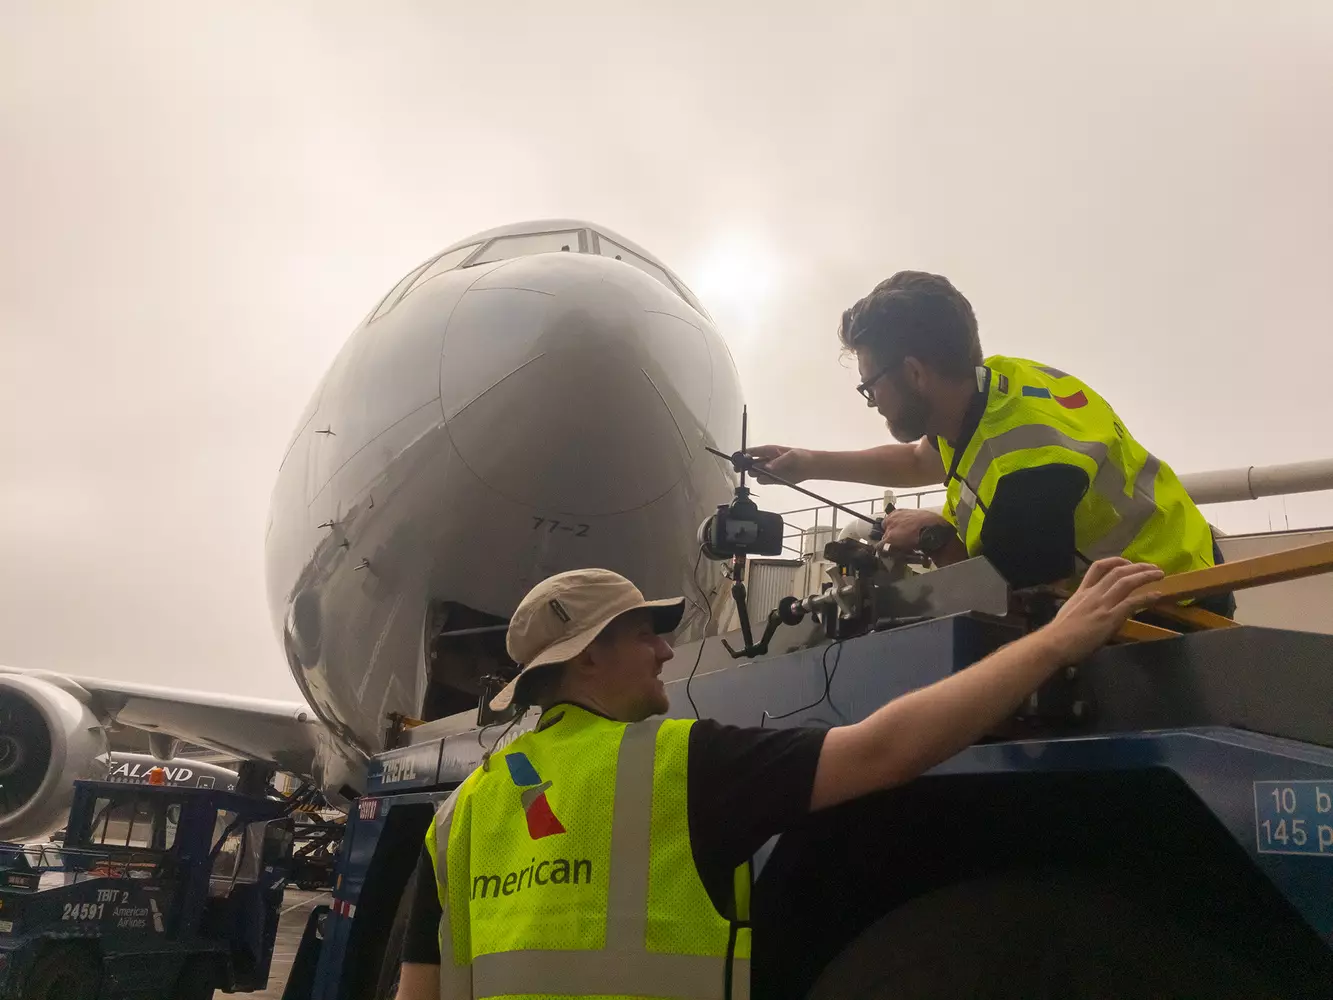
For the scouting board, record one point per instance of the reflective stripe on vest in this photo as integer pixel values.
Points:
(624, 966)
(455, 979)
(1134, 505)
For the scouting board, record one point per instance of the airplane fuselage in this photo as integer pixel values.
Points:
(487, 426)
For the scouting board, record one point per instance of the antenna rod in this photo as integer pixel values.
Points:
(745, 428)
(741, 461)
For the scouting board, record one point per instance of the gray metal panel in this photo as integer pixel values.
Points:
(769, 581)
(970, 585)
(1264, 680)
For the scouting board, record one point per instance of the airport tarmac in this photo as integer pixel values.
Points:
(296, 907)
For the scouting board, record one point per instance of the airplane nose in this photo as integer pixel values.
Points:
(575, 384)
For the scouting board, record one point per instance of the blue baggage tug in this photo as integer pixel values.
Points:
(1163, 810)
(155, 891)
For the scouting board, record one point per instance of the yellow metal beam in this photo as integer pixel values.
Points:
(1133, 631)
(1276, 567)
(1191, 615)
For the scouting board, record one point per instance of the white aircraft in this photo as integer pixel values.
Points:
(534, 398)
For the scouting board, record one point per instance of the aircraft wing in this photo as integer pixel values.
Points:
(285, 734)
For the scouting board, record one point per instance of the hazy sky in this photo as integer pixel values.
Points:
(201, 201)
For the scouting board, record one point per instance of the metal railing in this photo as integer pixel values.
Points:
(803, 523)
(56, 865)
(1218, 493)
(808, 529)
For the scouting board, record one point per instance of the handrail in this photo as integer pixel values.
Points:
(1213, 487)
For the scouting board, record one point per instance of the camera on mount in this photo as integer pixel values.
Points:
(740, 528)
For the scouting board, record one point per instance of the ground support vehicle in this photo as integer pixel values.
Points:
(156, 891)
(1157, 821)
(315, 848)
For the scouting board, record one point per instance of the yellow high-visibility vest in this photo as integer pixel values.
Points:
(566, 869)
(1035, 415)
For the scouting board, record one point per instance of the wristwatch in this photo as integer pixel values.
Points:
(933, 538)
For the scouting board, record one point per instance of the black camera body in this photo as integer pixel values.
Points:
(740, 528)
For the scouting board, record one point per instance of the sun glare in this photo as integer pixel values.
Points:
(737, 277)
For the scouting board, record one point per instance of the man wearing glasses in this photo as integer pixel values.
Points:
(1041, 474)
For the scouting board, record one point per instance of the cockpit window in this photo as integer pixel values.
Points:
(610, 248)
(396, 293)
(444, 262)
(526, 244)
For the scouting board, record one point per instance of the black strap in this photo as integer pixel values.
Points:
(729, 974)
(971, 421)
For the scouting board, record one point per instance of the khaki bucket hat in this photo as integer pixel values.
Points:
(563, 614)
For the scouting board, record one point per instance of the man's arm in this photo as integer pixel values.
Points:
(1028, 533)
(420, 979)
(913, 733)
(893, 465)
(419, 982)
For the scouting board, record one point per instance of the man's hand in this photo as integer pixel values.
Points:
(1102, 603)
(792, 464)
(902, 528)
(922, 728)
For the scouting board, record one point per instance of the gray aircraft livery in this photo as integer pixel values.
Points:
(532, 399)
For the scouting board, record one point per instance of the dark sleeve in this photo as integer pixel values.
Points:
(744, 785)
(1028, 533)
(422, 944)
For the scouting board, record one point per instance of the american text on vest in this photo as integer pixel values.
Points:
(558, 871)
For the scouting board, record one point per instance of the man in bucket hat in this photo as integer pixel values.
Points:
(606, 852)
(562, 616)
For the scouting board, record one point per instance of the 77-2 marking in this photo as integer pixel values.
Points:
(552, 526)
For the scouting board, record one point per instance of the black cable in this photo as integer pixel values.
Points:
(486, 754)
(708, 619)
(828, 684)
(828, 688)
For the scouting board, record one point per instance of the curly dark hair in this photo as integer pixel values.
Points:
(915, 314)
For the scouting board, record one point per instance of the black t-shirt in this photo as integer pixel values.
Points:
(1028, 533)
(743, 786)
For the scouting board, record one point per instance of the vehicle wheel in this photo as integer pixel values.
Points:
(391, 967)
(197, 980)
(64, 972)
(1037, 937)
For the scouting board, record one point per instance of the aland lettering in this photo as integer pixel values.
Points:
(560, 871)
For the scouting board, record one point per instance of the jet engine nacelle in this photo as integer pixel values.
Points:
(49, 738)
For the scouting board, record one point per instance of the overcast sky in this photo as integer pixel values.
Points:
(201, 201)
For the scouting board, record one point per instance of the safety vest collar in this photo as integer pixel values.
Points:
(555, 713)
(976, 410)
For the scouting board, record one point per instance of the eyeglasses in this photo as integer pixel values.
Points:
(867, 388)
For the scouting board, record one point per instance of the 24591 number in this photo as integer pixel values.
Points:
(83, 911)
